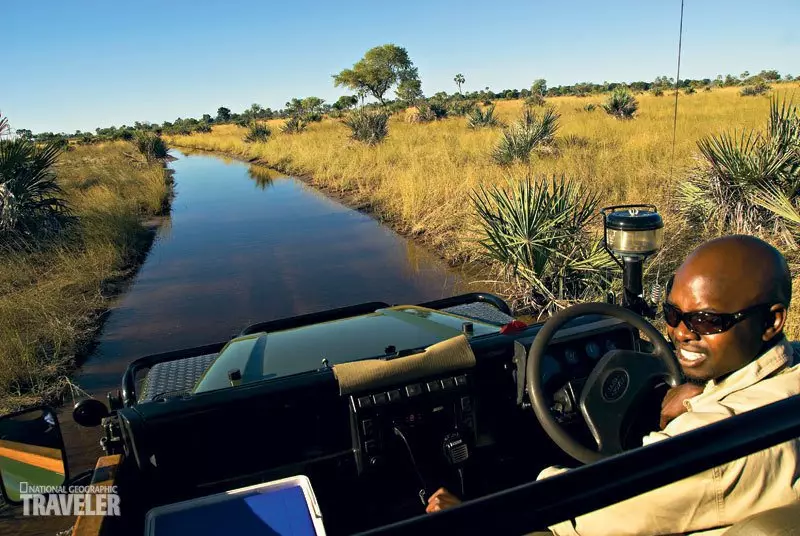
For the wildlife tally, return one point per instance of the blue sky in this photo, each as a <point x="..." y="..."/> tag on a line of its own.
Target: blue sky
<point x="82" y="64"/>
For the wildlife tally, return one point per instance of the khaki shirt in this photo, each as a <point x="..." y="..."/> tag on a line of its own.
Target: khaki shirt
<point x="709" y="502"/>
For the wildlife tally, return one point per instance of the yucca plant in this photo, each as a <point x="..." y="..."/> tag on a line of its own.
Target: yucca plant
<point x="621" y="104"/>
<point x="31" y="201"/>
<point x="294" y="125"/>
<point x="368" y="127"/>
<point x="743" y="179"/>
<point x="537" y="230"/>
<point x="483" y="118"/>
<point x="532" y="130"/>
<point x="152" y="146"/>
<point x="257" y="132"/>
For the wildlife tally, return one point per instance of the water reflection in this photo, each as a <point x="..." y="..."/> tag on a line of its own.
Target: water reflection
<point x="263" y="176"/>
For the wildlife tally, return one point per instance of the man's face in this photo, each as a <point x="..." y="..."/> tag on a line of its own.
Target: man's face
<point x="706" y="357"/>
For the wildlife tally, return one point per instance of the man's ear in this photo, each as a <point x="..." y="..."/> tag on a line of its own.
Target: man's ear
<point x="774" y="322"/>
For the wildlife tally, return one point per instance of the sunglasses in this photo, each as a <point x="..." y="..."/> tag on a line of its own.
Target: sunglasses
<point x="705" y="322"/>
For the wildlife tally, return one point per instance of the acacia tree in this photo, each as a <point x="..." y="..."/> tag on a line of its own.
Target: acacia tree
<point x="381" y="68"/>
<point x="459" y="79"/>
<point x="223" y="114"/>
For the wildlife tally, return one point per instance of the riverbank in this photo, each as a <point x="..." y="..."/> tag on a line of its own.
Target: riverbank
<point x="53" y="300"/>
<point x="421" y="176"/>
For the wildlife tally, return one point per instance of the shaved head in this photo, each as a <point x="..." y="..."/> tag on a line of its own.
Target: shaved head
<point x="729" y="275"/>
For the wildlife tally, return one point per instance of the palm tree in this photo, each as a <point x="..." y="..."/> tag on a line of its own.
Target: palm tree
<point x="459" y="79"/>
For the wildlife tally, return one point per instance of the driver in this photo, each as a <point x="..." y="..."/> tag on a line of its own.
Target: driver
<point x="725" y="314"/>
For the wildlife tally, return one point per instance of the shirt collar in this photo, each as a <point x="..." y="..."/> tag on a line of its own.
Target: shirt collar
<point x="774" y="359"/>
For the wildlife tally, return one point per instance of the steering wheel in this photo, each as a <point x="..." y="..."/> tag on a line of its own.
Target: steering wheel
<point x="615" y="386"/>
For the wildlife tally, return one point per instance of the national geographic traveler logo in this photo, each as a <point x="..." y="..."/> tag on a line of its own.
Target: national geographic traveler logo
<point x="69" y="501"/>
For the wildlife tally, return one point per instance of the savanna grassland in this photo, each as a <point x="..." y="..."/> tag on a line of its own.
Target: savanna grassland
<point x="53" y="293"/>
<point x="421" y="176"/>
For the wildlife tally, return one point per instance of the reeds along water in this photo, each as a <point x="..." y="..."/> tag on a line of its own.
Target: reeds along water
<point x="51" y="296"/>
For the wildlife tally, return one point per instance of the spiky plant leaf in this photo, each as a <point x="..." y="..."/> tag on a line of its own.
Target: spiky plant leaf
<point x="257" y="132"/>
<point x="621" y="104"/>
<point x="368" y="127"/>
<point x="742" y="179"/>
<point x="31" y="201"/>
<point x="483" y="118"/>
<point x="536" y="230"/>
<point x="530" y="131"/>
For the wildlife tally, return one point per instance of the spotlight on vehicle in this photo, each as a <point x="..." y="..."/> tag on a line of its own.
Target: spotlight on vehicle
<point x="631" y="233"/>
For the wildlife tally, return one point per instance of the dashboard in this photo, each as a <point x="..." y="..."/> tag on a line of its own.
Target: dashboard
<point x="577" y="357"/>
<point x="370" y="451"/>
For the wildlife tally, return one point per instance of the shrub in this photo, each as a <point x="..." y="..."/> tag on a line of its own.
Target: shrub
<point x="483" y="118"/>
<point x="202" y="127"/>
<point x="294" y="125"/>
<point x="689" y="90"/>
<point x="430" y="111"/>
<point x="759" y="88"/>
<point x="368" y="127"/>
<point x="153" y="147"/>
<point x="657" y="91"/>
<point x="257" y="132"/>
<point x="707" y="88"/>
<point x="31" y="204"/>
<point x="731" y="189"/>
<point x="538" y="232"/>
<point x="461" y="107"/>
<point x="528" y="133"/>
<point x="536" y="99"/>
<point x="590" y="107"/>
<point x="621" y="104"/>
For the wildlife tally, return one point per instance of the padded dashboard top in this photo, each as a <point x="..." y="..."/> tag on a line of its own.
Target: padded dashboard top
<point x="451" y="354"/>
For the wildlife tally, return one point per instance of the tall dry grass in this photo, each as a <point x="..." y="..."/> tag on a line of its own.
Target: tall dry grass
<point x="421" y="175"/>
<point x="50" y="300"/>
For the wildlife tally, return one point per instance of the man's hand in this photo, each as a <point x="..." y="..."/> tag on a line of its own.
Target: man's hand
<point x="441" y="500"/>
<point x="672" y="406"/>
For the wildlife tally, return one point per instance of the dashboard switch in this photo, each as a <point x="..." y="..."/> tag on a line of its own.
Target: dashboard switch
<point x="380" y="399"/>
<point x="449" y="383"/>
<point x="371" y="447"/>
<point x="367" y="427"/>
<point x="461" y="380"/>
<point x="466" y="404"/>
<point x="394" y="395"/>
<point x="364" y="402"/>
<point x="433" y="386"/>
<point x="414" y="389"/>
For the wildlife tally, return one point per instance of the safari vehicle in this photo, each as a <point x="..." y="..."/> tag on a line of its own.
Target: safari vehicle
<point x="368" y="409"/>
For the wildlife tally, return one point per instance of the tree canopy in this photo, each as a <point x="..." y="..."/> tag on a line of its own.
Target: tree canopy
<point x="223" y="114"/>
<point x="381" y="68"/>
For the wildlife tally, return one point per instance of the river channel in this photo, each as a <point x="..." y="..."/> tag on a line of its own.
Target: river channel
<point x="244" y="244"/>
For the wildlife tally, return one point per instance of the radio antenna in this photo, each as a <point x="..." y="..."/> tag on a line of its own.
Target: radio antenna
<point x="677" y="84"/>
